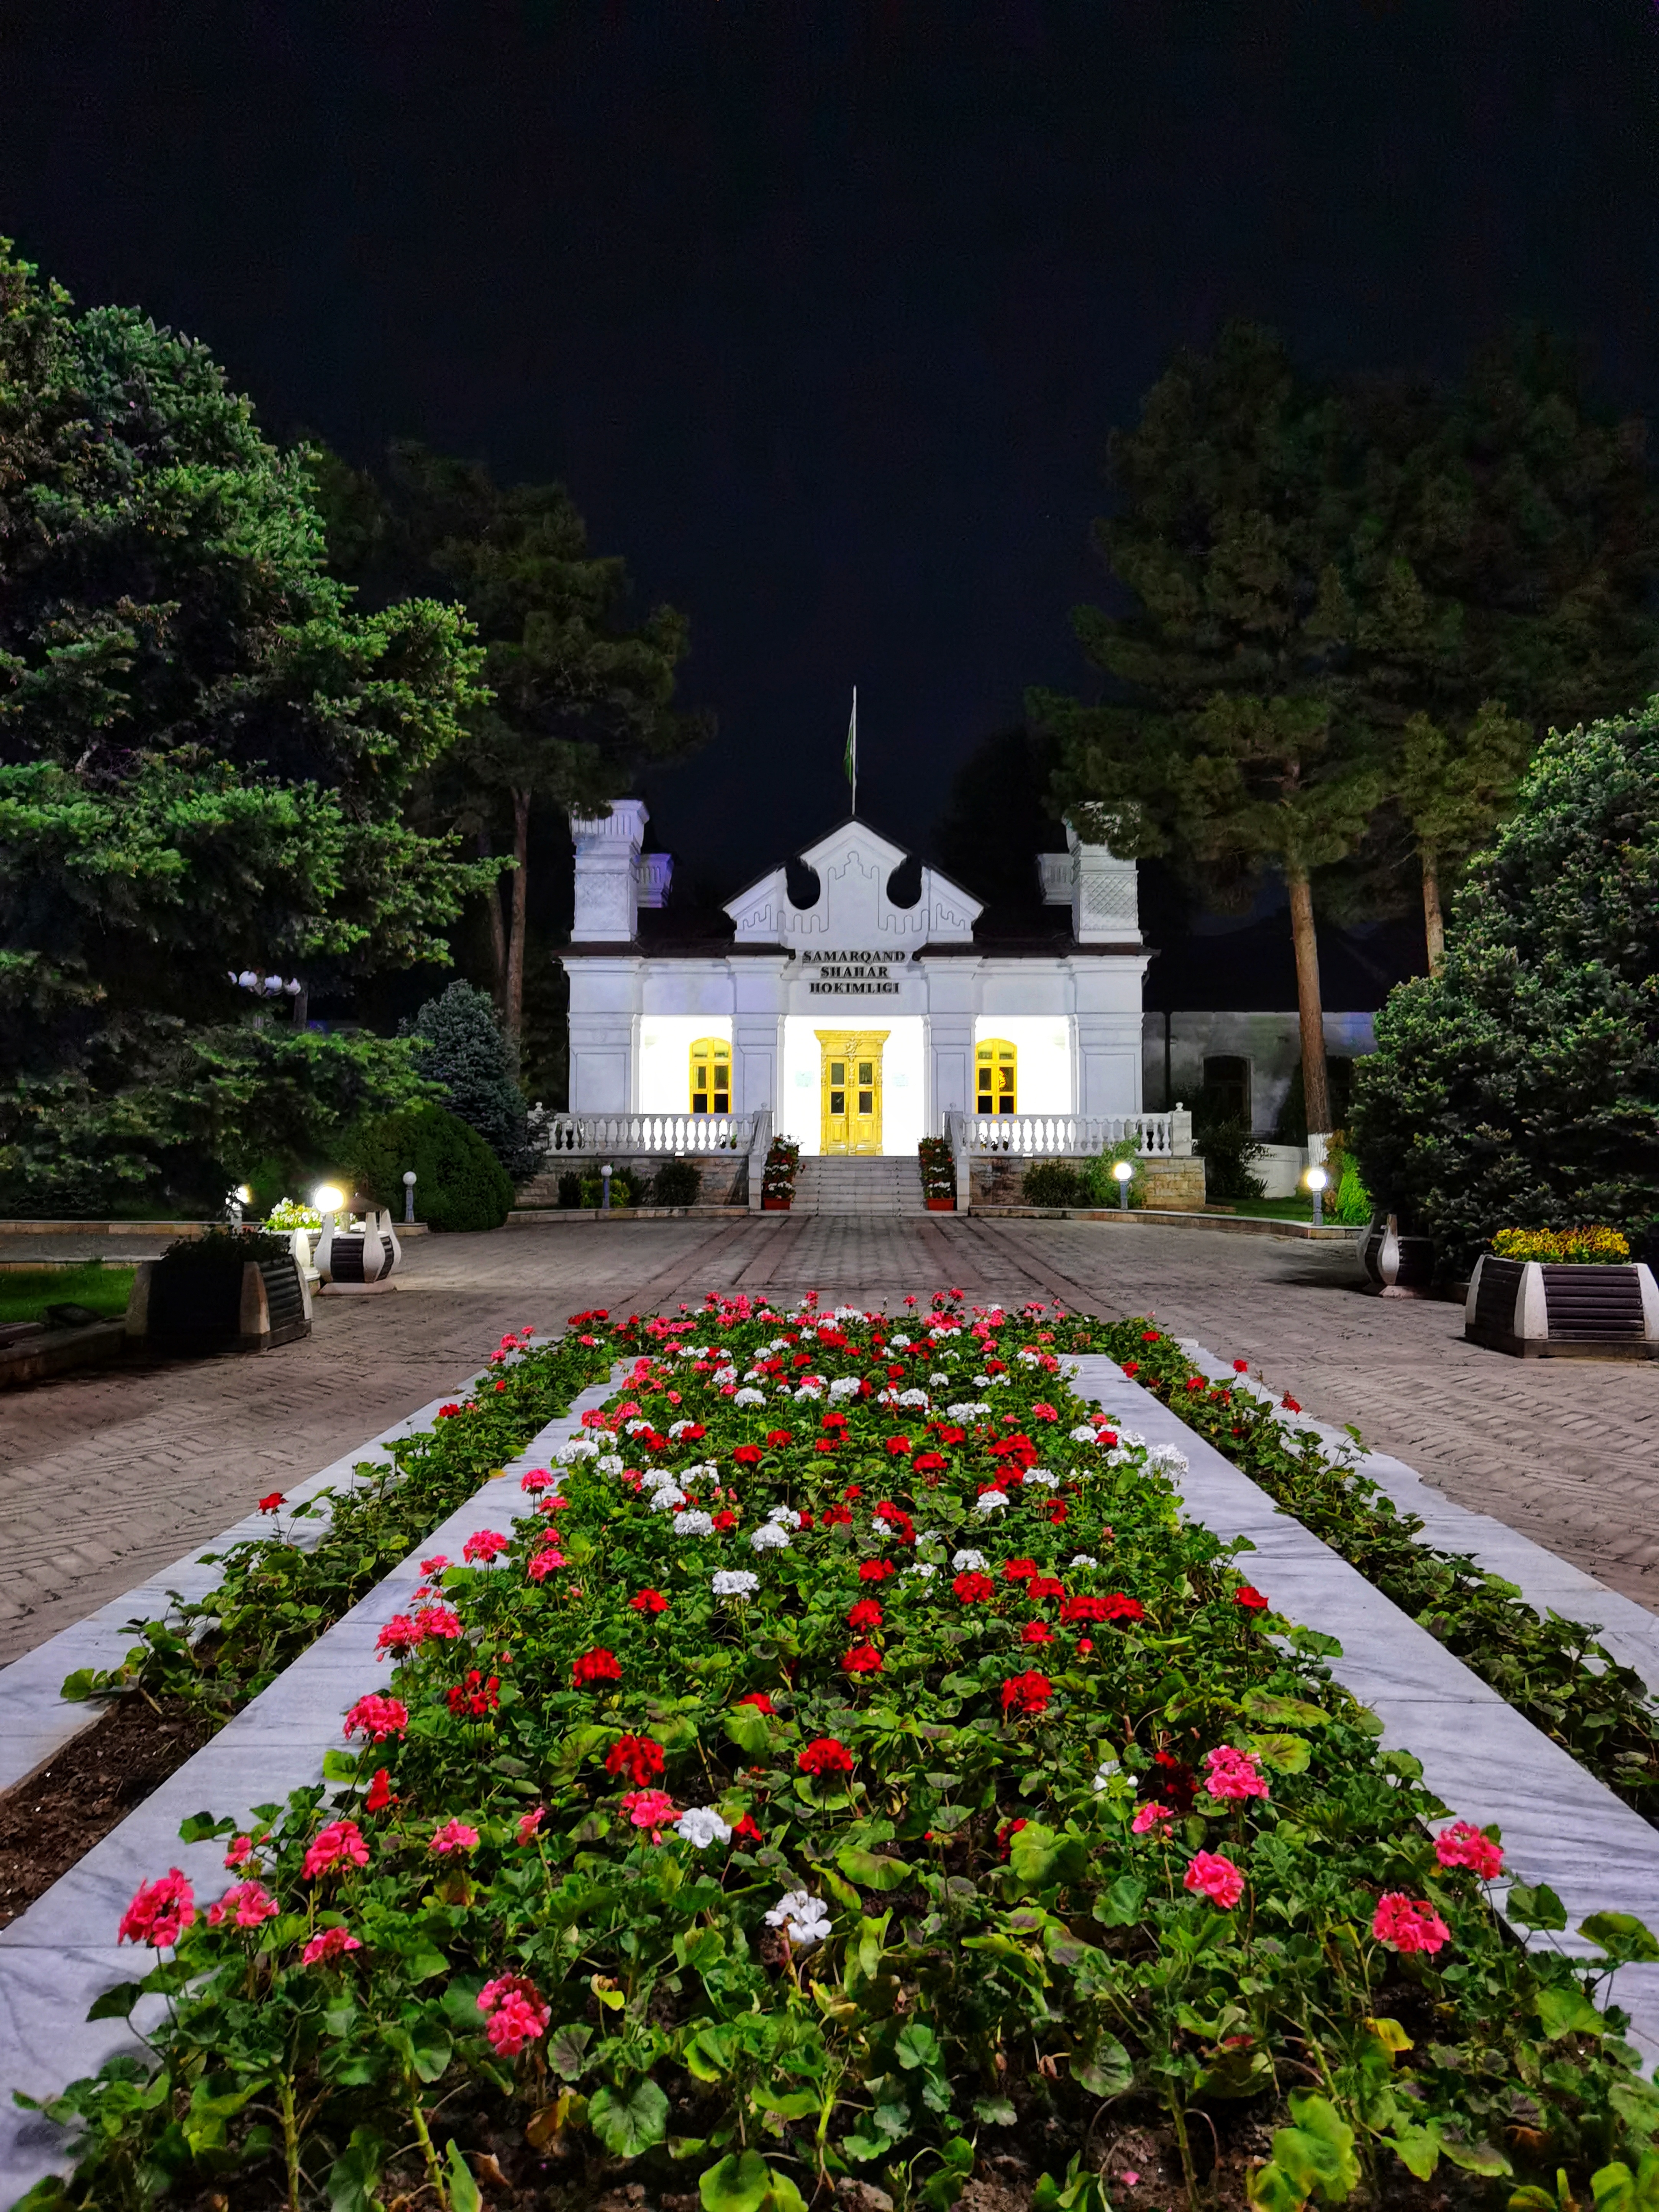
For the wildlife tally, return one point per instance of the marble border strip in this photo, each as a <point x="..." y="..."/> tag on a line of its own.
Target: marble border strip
<point x="1560" y="1826"/>
<point x="57" y="1956"/>
<point x="40" y="1722"/>
<point x="1548" y="1583"/>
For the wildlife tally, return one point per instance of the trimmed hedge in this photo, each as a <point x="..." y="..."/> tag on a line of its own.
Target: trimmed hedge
<point x="459" y="1182"/>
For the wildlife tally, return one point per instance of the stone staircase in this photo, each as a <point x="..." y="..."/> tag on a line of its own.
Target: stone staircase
<point x="854" y="1186"/>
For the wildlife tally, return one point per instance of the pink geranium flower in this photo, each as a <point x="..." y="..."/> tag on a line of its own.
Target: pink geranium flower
<point x="454" y="1836"/>
<point x="1234" y="1774"/>
<point x="544" y="1563"/>
<point x="1211" y="1875"/>
<point x="240" y="1851"/>
<point x="516" y="2011"/>
<point x="159" y="1913"/>
<point x="376" y="1717"/>
<point x="530" y="1824"/>
<point x="649" y="1809"/>
<point x="1463" y="1845"/>
<point x="437" y="1622"/>
<point x="339" y="1844"/>
<point x="248" y="1902"/>
<point x="330" y="1944"/>
<point x="485" y="1544"/>
<point x="538" y="1478"/>
<point x="435" y="1565"/>
<point x="1151" y="1820"/>
<point x="1408" y="1923"/>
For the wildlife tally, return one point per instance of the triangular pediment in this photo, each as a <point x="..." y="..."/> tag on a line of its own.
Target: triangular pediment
<point x="853" y="865"/>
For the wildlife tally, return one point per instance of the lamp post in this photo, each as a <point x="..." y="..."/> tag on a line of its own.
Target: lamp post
<point x="235" y="1200"/>
<point x="1316" y="1179"/>
<point x="1123" y="1175"/>
<point x="409" y="1196"/>
<point x="605" y="1174"/>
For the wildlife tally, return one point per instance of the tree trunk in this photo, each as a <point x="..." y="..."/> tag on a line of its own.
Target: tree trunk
<point x="515" y="942"/>
<point x="1434" y="927"/>
<point x="497" y="926"/>
<point x="1314" y="1088"/>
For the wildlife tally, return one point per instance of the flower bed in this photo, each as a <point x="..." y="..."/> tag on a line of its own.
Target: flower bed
<point x="1562" y="1247"/>
<point x="1551" y="1670"/>
<point x="851" y="1768"/>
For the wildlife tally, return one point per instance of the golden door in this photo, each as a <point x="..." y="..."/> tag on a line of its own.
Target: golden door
<point x="852" y="1090"/>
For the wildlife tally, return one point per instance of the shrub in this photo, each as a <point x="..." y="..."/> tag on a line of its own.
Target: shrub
<point x="229" y="1249"/>
<point x="459" y="1182"/>
<point x="1291" y="1125"/>
<point x="1056" y="1183"/>
<point x="570" y="1189"/>
<point x="677" y="1182"/>
<point x="1522" y="1084"/>
<point x="290" y="1213"/>
<point x="593" y="1191"/>
<point x="1584" y="1247"/>
<point x="1100" y="1185"/>
<point x="459" y="1042"/>
<point x="1227" y="1148"/>
<point x="1346" y="1198"/>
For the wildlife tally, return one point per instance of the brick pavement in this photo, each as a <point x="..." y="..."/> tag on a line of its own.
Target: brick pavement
<point x="110" y="1476"/>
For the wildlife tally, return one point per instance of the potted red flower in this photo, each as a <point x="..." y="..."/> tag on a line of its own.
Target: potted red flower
<point x="938" y="1174"/>
<point x="778" y="1178"/>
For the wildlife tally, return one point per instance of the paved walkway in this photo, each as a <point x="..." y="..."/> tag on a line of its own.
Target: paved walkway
<point x="109" y="1477"/>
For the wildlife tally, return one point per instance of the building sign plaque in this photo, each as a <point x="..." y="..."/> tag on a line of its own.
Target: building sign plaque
<point x="845" y="975"/>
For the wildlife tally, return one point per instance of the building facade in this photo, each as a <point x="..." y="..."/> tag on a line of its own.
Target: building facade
<point x="852" y="1000"/>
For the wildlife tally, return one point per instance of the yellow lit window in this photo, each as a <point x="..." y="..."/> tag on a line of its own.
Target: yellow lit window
<point x="711" y="1076"/>
<point x="994" y="1087"/>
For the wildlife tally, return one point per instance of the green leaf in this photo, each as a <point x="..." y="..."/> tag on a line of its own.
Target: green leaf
<point x="432" y="2046"/>
<point x="1622" y="1936"/>
<point x="1416" y="2146"/>
<point x="736" y="2185"/>
<point x="862" y="2147"/>
<point x="752" y="1731"/>
<point x="116" y="2003"/>
<point x="1535" y="1908"/>
<point x="1473" y="2157"/>
<point x="1275" y="1711"/>
<point x="567" y="2050"/>
<point x="356" y="2172"/>
<point x="628" y="2124"/>
<point x="1121" y="1905"/>
<point x="1281" y="1754"/>
<point x="1314" y="2152"/>
<point x="1107" y="2071"/>
<point x="1041" y="1857"/>
<point x="869" y="1870"/>
<point x="918" y="2046"/>
<point x="463" y="2190"/>
<point x="943" y="2188"/>
<point x="994" y="2112"/>
<point x="1563" y="2009"/>
<point x="1616" y="2189"/>
<point x="339" y="1766"/>
<point x="201" y="1825"/>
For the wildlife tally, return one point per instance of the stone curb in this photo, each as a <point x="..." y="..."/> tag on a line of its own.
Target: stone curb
<point x="57" y="1957"/>
<point x="60" y="1351"/>
<point x="1559" y="1824"/>
<point x="1229" y="1224"/>
<point x="1548" y="1583"/>
<point x="40" y="1722"/>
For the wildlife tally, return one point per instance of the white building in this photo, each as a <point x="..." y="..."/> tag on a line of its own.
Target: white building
<point x="859" y="1013"/>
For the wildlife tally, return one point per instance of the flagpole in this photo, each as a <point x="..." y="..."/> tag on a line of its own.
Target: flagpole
<point x="852" y="750"/>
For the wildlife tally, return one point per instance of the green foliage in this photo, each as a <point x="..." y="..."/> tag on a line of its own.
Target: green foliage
<point x="1227" y="1148"/>
<point x="985" y="1942"/>
<point x="593" y="1190"/>
<point x="458" y="1043"/>
<point x="205" y="754"/>
<point x="25" y="1293"/>
<point x="1581" y="1248"/>
<point x="222" y="1249"/>
<point x="459" y="1182"/>
<point x="677" y="1182"/>
<point x="1521" y="1085"/>
<point x="1087" y="1182"/>
<point x="938" y="1169"/>
<point x="782" y="1166"/>
<point x="1347" y="1200"/>
<point x="1291" y="1127"/>
<point x="1055" y="1182"/>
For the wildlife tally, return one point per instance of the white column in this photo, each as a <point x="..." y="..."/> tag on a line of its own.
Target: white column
<point x="952" y="999"/>
<point x="1107" y="996"/>
<point x="608" y="874"/>
<point x="757" y="1003"/>
<point x="606" y="1001"/>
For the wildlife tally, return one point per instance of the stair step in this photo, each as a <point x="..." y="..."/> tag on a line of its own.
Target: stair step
<point x="840" y="1185"/>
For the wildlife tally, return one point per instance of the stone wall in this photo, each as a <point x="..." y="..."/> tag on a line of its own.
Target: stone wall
<point x="1175" y="1186"/>
<point x="724" y="1177"/>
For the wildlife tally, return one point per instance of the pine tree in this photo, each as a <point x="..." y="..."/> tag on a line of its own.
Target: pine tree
<point x="458" y="1043"/>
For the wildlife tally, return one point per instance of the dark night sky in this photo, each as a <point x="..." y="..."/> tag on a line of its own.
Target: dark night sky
<point x="824" y="310"/>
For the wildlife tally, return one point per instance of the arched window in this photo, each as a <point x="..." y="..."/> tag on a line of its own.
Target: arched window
<point x="711" y="1076"/>
<point x="996" y="1090"/>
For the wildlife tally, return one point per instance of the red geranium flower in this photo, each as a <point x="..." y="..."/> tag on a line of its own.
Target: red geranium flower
<point x="759" y="1700"/>
<point x="930" y="1463"/>
<point x="1118" y="1607"/>
<point x="725" y="1518"/>
<point x="747" y="1455"/>
<point x="269" y="1505"/>
<point x="1018" y="1571"/>
<point x="380" y="1791"/>
<point x="1043" y="1586"/>
<point x="837" y="1516"/>
<point x="1131" y="1367"/>
<point x="854" y="1489"/>
<point x="825" y="1444"/>
<point x="898" y="1446"/>
<point x="1036" y="1631"/>
<point x="636" y="1756"/>
<point x="874" y="1570"/>
<point x="866" y="1613"/>
<point x="1027" y="1694"/>
<point x="1250" y="1598"/>
<point x="825" y="1755"/>
<point x="778" y="1437"/>
<point x="1083" y="1608"/>
<point x="596" y="1666"/>
<point x="1056" y="1511"/>
<point x="746" y="1828"/>
<point x="974" y="1589"/>
<point x="1289" y="1404"/>
<point x="863" y="1659"/>
<point x="1149" y="1336"/>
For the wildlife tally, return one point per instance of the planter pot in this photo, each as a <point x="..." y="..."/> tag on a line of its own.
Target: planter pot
<point x="1536" y="1311"/>
<point x="352" y="1259"/>
<point x="1401" y="1266"/>
<point x="941" y="1206"/>
<point x="775" y="1204"/>
<point x="186" y="1310"/>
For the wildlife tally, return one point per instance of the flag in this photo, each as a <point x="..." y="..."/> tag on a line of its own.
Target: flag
<point x="851" y="762"/>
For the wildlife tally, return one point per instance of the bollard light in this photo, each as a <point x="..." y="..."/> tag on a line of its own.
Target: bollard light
<point x="605" y="1175"/>
<point x="409" y="1195"/>
<point x="328" y="1198"/>
<point x="1123" y="1174"/>
<point x="1316" y="1180"/>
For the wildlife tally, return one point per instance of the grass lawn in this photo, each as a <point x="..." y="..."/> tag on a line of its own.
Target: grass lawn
<point x="1299" y="1208"/>
<point x="26" y="1292"/>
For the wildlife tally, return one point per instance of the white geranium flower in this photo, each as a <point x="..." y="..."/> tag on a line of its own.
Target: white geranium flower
<point x="735" y="1582"/>
<point x="990" y="1502"/>
<point x="750" y="1398"/>
<point x="779" y="1344"/>
<point x="1083" y="1560"/>
<point x="887" y="1397"/>
<point x="1081" y="1435"/>
<point x="802" y="1917"/>
<point x="701" y="1825"/>
<point x="966" y="1410"/>
<point x="981" y="1382"/>
<point x="610" y="1463"/>
<point x="1168" y="1456"/>
<point x="580" y="1448"/>
<point x="1105" y="1772"/>
<point x="668" y="1500"/>
<point x="722" y="1375"/>
<point x="899" y="1343"/>
<point x="693" y="1524"/>
<point x="968" y="1562"/>
<point x="680" y="1428"/>
<point x="1002" y="1381"/>
<point x="913" y="1398"/>
<point x="639" y="1428"/>
<point x="1041" y="1476"/>
<point x="922" y="1568"/>
<point x="809" y="1389"/>
<point x="844" y="1386"/>
<point x="770" y="1537"/>
<point x="939" y="1375"/>
<point x="1028" y="1358"/>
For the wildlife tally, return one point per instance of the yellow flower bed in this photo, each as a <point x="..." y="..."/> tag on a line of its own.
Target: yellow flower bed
<point x="1597" y="1247"/>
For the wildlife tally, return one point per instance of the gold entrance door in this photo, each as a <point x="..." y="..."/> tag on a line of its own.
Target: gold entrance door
<point x="852" y="1090"/>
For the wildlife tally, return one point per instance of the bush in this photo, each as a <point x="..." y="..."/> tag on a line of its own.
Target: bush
<point x="1346" y="1198"/>
<point x="1227" y="1149"/>
<point x="593" y="1191"/>
<point x="1056" y="1183"/>
<point x="1583" y="1248"/>
<point x="458" y="1043"/>
<point x="677" y="1182"/>
<point x="459" y="1182"/>
<point x="1292" y="1127"/>
<point x="1522" y="1084"/>
<point x="570" y="1189"/>
<point x="228" y="1249"/>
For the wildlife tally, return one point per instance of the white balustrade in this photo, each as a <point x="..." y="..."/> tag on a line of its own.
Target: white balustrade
<point x="1074" y="1136"/>
<point x="631" y="1135"/>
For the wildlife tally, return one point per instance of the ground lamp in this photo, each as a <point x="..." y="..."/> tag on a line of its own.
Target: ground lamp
<point x="409" y="1194"/>
<point x="328" y="1198"/>
<point x="235" y="1200"/>
<point x="605" y="1175"/>
<point x="1316" y="1180"/>
<point x="1123" y="1174"/>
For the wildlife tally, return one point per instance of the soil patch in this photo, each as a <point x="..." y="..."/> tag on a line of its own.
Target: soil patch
<point x="55" y="1818"/>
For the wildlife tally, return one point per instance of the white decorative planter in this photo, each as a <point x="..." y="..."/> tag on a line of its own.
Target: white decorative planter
<point x="358" y="1259"/>
<point x="1540" y="1311"/>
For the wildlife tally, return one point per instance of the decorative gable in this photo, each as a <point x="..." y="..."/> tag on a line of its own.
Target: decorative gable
<point x="854" y="868"/>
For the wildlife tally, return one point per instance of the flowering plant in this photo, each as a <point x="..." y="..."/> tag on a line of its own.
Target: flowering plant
<point x="1584" y="1247"/>
<point x="694" y="1893"/>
